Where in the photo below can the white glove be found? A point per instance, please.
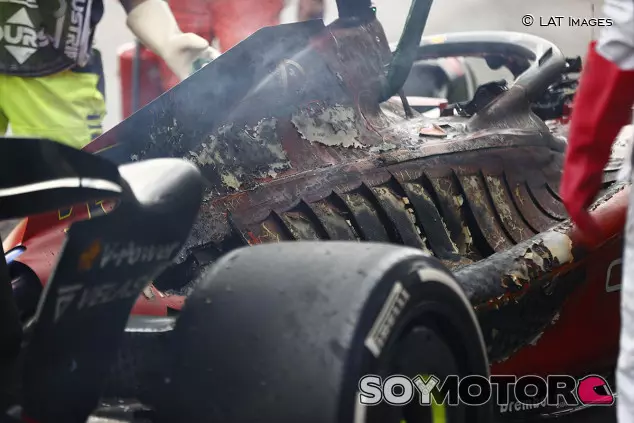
(182, 50)
(153, 23)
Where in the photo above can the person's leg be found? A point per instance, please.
(4, 121)
(235, 20)
(625, 367)
(67, 107)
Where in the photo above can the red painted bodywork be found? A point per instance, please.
(586, 335)
(43, 236)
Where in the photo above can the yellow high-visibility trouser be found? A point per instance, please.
(67, 107)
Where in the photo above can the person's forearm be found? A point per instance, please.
(152, 22)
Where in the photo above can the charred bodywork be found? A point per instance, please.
(306, 152)
(293, 133)
(295, 145)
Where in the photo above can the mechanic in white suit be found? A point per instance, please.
(602, 106)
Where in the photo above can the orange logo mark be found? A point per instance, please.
(87, 258)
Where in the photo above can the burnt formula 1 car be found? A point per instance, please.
(43, 238)
(81, 317)
(300, 138)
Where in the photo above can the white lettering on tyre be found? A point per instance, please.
(384, 323)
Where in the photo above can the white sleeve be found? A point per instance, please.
(616, 42)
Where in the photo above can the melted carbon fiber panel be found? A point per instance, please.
(457, 213)
(288, 131)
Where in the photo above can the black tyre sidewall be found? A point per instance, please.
(432, 296)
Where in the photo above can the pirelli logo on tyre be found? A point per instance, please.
(382, 327)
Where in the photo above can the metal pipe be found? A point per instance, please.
(136, 77)
(405, 53)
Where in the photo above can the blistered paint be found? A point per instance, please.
(419, 190)
(622, 151)
(268, 234)
(383, 147)
(240, 154)
(536, 339)
(501, 203)
(458, 202)
(393, 207)
(333, 125)
(334, 222)
(231, 181)
(548, 251)
(560, 245)
(300, 226)
(475, 192)
(614, 189)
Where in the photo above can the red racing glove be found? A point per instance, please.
(602, 106)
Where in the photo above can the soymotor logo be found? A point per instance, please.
(509, 392)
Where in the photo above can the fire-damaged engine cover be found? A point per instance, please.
(288, 130)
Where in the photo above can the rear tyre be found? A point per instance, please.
(285, 332)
